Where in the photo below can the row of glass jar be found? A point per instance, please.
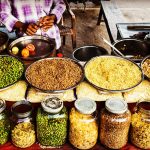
(52, 118)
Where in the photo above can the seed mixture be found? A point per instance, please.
(146, 67)
(140, 132)
(114, 129)
(54, 74)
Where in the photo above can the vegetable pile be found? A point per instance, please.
(11, 69)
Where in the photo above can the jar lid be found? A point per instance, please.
(52, 105)
(2, 105)
(22, 109)
(85, 106)
(116, 106)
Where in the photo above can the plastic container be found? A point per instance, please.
(23, 132)
(83, 131)
(140, 125)
(4, 123)
(115, 121)
(52, 123)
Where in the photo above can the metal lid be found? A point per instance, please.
(85, 106)
(2, 105)
(22, 109)
(52, 105)
(116, 106)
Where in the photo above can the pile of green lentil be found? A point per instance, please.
(11, 69)
(52, 129)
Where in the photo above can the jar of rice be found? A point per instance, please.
(83, 131)
(23, 131)
(140, 125)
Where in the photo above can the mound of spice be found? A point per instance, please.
(11, 69)
(54, 74)
(146, 67)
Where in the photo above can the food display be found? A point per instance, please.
(54, 74)
(23, 131)
(23, 135)
(114, 124)
(52, 123)
(146, 67)
(113, 73)
(4, 123)
(140, 126)
(83, 131)
(11, 70)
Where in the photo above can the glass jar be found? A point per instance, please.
(83, 131)
(140, 125)
(4, 123)
(23, 132)
(52, 123)
(115, 121)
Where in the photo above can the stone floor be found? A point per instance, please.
(88, 33)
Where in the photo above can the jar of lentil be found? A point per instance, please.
(140, 125)
(23, 130)
(52, 123)
(4, 123)
(115, 121)
(83, 131)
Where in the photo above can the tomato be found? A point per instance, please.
(30, 47)
(25, 52)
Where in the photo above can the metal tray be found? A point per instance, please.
(3, 41)
(6, 87)
(56, 91)
(43, 46)
(114, 91)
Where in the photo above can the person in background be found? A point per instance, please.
(31, 17)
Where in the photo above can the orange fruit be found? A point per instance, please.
(30, 47)
(25, 52)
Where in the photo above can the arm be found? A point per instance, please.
(58, 10)
(5, 15)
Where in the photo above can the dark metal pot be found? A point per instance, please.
(85, 53)
(3, 41)
(133, 49)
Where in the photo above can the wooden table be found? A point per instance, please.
(123, 11)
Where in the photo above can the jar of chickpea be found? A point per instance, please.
(140, 125)
(115, 121)
(23, 129)
(83, 131)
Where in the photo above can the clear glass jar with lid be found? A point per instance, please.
(4, 123)
(23, 130)
(115, 121)
(140, 125)
(51, 122)
(83, 131)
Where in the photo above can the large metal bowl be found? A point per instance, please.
(133, 49)
(6, 87)
(113, 91)
(43, 46)
(56, 91)
(3, 41)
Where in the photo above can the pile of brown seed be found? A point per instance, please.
(54, 74)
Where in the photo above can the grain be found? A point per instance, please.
(54, 74)
(146, 67)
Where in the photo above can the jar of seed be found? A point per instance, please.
(140, 125)
(4, 123)
(23, 130)
(114, 124)
(83, 131)
(51, 122)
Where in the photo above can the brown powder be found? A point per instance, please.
(54, 74)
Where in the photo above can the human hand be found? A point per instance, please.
(47, 22)
(31, 29)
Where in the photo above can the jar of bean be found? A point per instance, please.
(51, 122)
(140, 125)
(4, 123)
(115, 121)
(23, 130)
(83, 131)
